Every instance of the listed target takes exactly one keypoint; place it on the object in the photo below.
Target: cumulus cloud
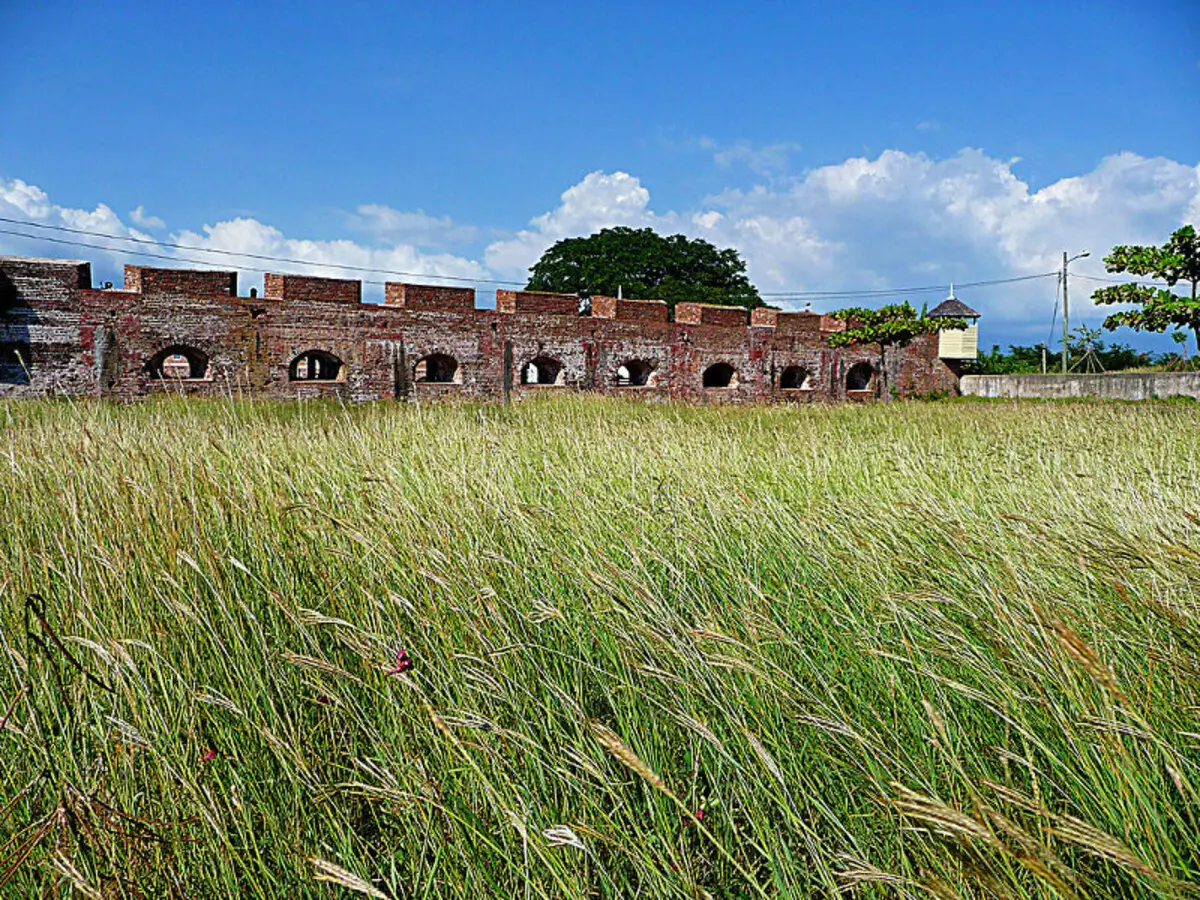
(900, 219)
(29, 203)
(325, 258)
(904, 218)
(894, 220)
(416, 227)
(600, 200)
(108, 252)
(140, 217)
(767, 161)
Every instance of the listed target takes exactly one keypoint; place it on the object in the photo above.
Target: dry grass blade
(765, 757)
(73, 875)
(1101, 844)
(4, 719)
(943, 819)
(324, 870)
(1087, 658)
(624, 754)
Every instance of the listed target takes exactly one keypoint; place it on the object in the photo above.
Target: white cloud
(416, 228)
(599, 201)
(767, 161)
(140, 217)
(901, 219)
(28, 203)
(325, 258)
(897, 219)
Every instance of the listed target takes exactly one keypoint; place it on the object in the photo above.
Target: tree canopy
(888, 326)
(1178, 260)
(644, 265)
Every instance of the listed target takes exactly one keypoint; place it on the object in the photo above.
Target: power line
(149, 255)
(1099, 278)
(234, 253)
(798, 295)
(887, 292)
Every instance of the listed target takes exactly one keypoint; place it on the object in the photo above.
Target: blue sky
(839, 146)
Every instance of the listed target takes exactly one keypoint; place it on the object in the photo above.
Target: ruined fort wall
(119, 343)
(40, 314)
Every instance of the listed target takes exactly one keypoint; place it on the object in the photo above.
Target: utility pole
(1066, 312)
(1066, 262)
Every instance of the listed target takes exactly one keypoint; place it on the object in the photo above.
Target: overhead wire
(909, 290)
(229, 253)
(264, 257)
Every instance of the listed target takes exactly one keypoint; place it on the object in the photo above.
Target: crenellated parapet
(190, 332)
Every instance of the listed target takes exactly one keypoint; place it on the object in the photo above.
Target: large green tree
(1178, 260)
(645, 265)
(887, 327)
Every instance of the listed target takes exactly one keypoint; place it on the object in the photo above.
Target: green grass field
(942, 649)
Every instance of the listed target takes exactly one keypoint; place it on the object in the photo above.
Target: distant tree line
(1112, 357)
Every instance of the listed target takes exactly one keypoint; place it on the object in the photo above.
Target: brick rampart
(537, 302)
(429, 297)
(708, 314)
(629, 310)
(185, 282)
(306, 288)
(189, 332)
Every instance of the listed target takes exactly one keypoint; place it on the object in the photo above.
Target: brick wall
(306, 288)
(537, 302)
(629, 310)
(113, 343)
(429, 297)
(147, 280)
(707, 314)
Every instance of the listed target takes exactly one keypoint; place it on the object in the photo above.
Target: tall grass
(945, 649)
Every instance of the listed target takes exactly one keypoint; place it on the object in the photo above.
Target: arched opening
(795, 378)
(16, 363)
(543, 370)
(860, 377)
(178, 363)
(315, 365)
(634, 373)
(437, 368)
(719, 375)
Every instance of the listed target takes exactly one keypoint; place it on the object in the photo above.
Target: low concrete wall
(1112, 386)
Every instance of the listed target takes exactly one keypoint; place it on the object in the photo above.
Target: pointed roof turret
(952, 308)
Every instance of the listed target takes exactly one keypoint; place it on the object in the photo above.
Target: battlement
(40, 278)
(622, 310)
(185, 282)
(308, 288)
(314, 337)
(429, 298)
(801, 322)
(710, 314)
(537, 302)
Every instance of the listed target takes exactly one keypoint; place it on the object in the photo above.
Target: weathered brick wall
(40, 311)
(623, 310)
(189, 332)
(707, 314)
(537, 302)
(148, 280)
(429, 297)
(308, 289)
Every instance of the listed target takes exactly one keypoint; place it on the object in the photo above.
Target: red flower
(403, 663)
(209, 755)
